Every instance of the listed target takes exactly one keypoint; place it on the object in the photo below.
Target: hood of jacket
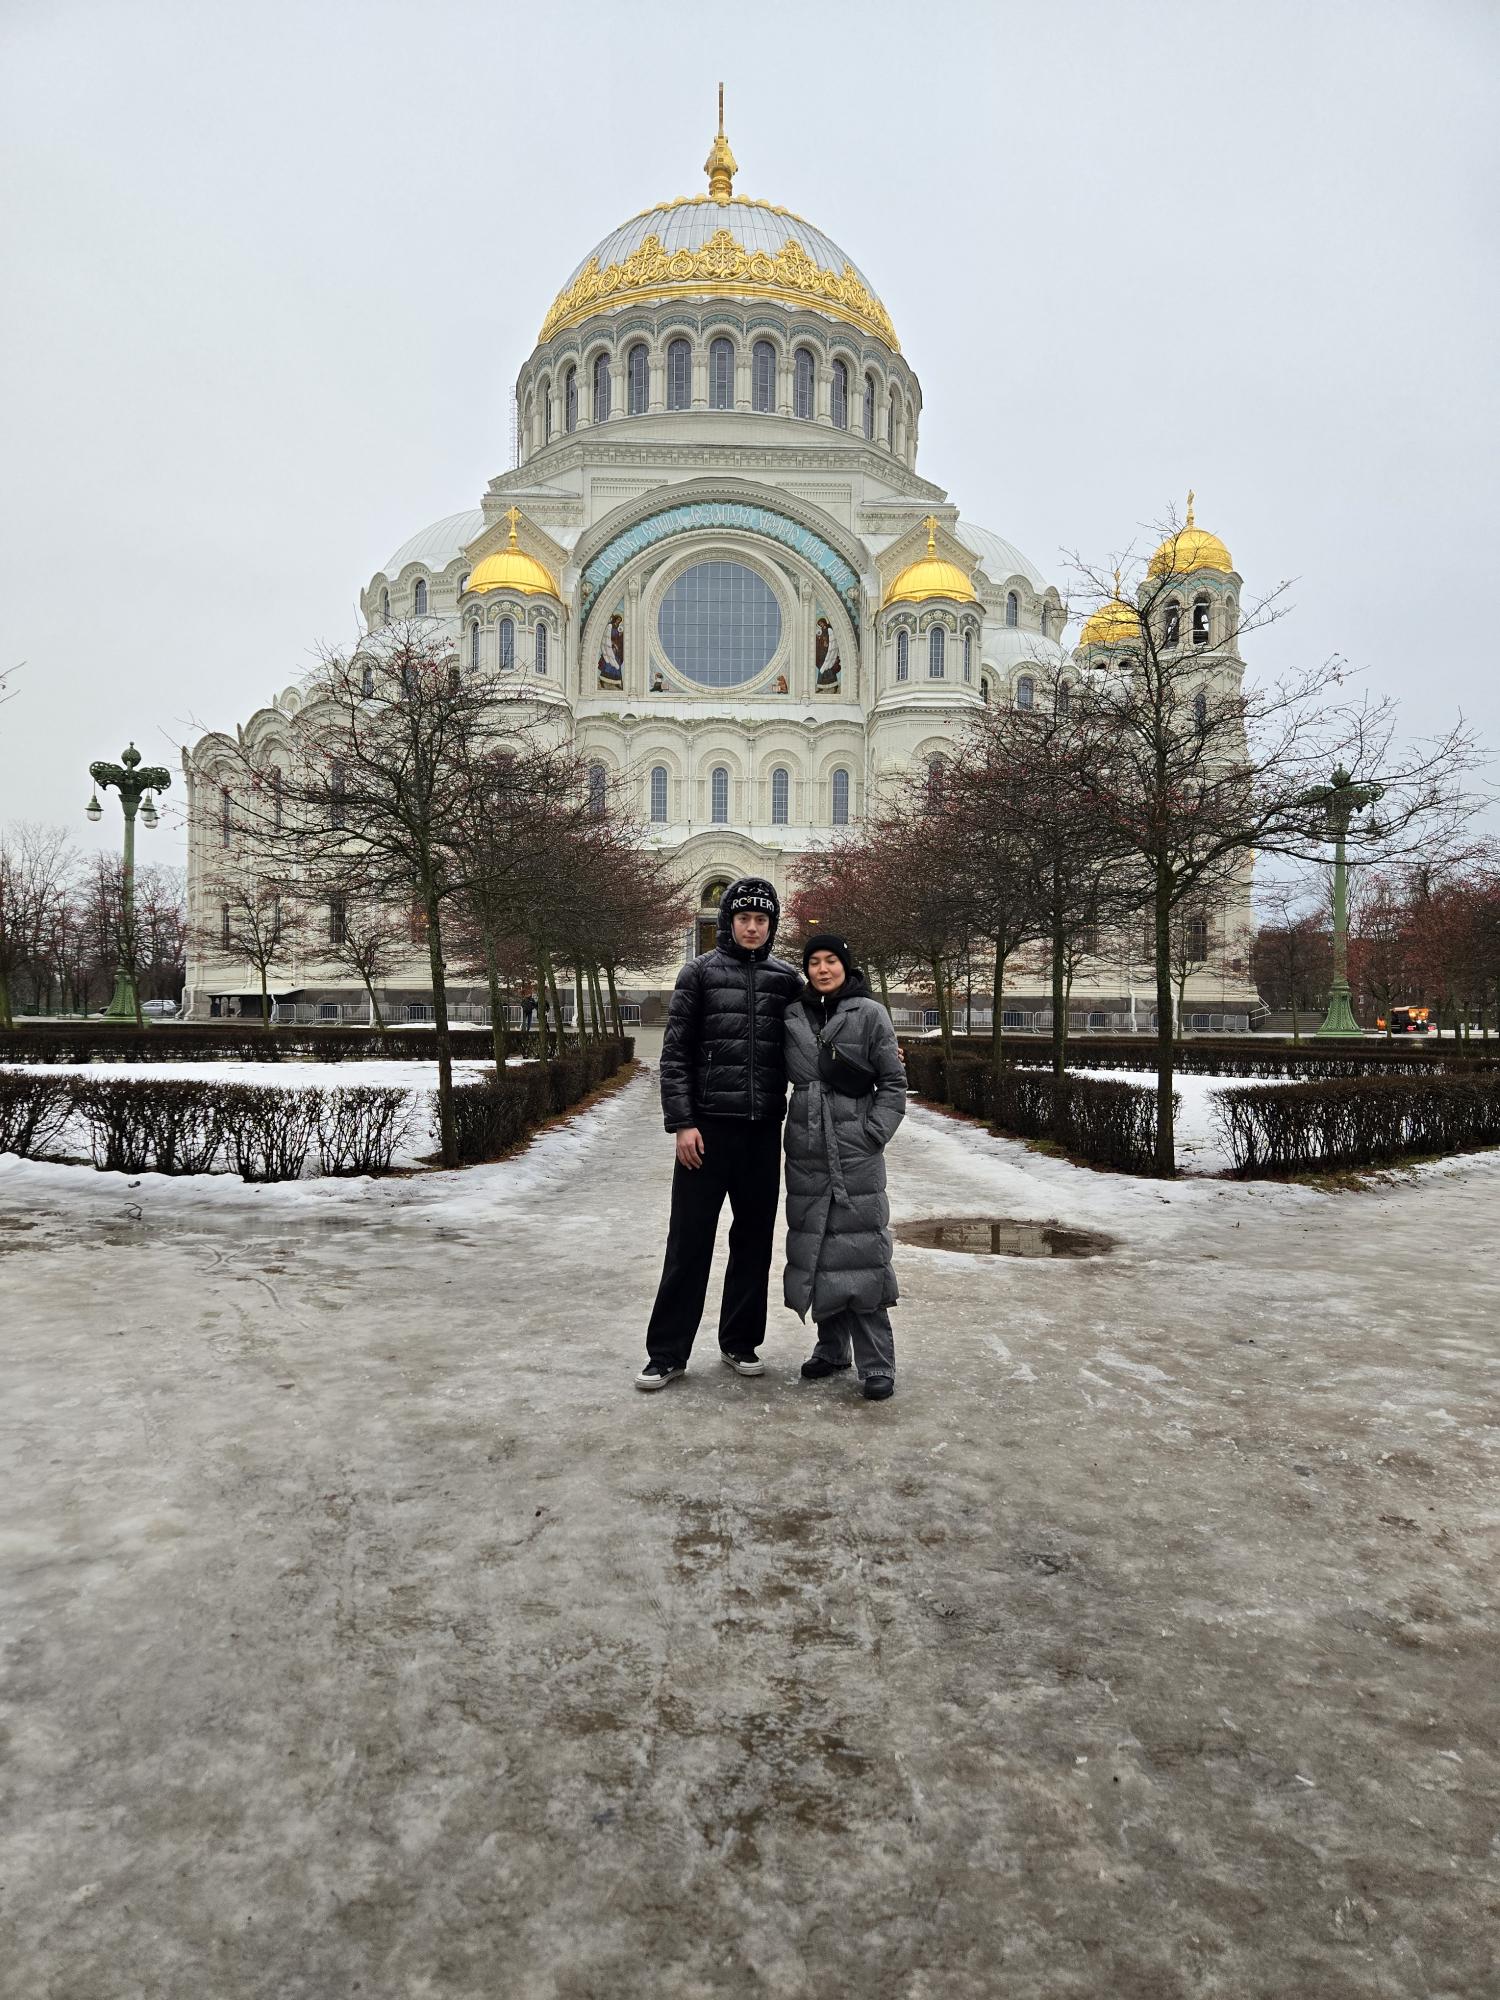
(726, 921)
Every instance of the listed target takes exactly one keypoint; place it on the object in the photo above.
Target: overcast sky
(270, 272)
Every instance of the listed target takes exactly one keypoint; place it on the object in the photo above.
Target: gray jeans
(867, 1336)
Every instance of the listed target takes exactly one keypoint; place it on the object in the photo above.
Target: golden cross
(1190, 507)
(513, 515)
(930, 524)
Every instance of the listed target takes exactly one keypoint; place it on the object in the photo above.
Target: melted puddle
(996, 1236)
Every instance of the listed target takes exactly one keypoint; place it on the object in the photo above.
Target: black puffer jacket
(723, 1055)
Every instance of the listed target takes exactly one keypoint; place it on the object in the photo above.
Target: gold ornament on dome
(932, 576)
(512, 569)
(1115, 623)
(725, 267)
(1192, 548)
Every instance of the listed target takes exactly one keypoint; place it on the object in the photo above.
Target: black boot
(878, 1387)
(816, 1368)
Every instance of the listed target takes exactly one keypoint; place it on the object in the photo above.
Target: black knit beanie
(828, 941)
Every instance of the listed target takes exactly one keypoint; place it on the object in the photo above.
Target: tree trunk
(498, 1039)
(997, 1019)
(7, 1019)
(447, 1138)
(945, 1018)
(265, 1002)
(596, 1001)
(885, 991)
(375, 1014)
(578, 1009)
(614, 1004)
(1166, 1154)
(1059, 1006)
(559, 1026)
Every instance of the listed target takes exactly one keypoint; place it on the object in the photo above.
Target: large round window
(719, 624)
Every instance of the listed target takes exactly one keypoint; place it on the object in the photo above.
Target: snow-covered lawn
(418, 1079)
(1200, 1150)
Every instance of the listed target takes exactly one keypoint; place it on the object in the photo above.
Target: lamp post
(1339, 800)
(135, 786)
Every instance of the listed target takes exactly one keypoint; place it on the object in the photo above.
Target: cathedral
(716, 565)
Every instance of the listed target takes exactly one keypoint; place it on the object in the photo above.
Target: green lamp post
(1339, 800)
(135, 786)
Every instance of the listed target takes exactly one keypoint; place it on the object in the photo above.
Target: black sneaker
(742, 1364)
(878, 1387)
(816, 1368)
(657, 1374)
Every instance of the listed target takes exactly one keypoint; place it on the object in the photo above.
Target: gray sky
(270, 272)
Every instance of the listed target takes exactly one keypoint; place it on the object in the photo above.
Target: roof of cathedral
(435, 547)
(511, 568)
(1191, 548)
(717, 245)
(1001, 559)
(930, 576)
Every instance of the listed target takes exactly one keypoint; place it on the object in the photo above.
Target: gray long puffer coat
(838, 1240)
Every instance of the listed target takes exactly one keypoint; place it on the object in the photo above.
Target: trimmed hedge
(1245, 1056)
(1288, 1128)
(492, 1117)
(33, 1110)
(224, 1041)
(1107, 1123)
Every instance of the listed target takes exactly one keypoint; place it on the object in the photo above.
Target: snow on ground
(1200, 1148)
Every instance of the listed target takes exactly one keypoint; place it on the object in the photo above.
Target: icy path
(364, 1626)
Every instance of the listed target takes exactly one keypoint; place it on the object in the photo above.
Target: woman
(838, 1245)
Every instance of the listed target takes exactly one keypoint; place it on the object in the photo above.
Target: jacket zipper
(750, 976)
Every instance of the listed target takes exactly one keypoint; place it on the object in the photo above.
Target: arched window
(601, 388)
(903, 655)
(1200, 711)
(838, 399)
(419, 597)
(638, 371)
(781, 797)
(507, 644)
(597, 787)
(721, 374)
(841, 798)
(1200, 621)
(763, 377)
(1171, 629)
(474, 648)
(802, 383)
(367, 680)
(890, 423)
(659, 794)
(226, 815)
(679, 375)
(1012, 608)
(718, 792)
(528, 429)
(224, 925)
(338, 917)
(870, 408)
(570, 400)
(1064, 698)
(1025, 692)
(937, 642)
(968, 656)
(984, 689)
(937, 779)
(385, 607)
(547, 410)
(541, 648)
(276, 798)
(1197, 939)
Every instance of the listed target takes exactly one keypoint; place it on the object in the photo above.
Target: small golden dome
(1115, 623)
(932, 576)
(511, 568)
(1192, 548)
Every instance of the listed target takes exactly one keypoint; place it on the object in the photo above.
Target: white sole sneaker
(741, 1364)
(652, 1381)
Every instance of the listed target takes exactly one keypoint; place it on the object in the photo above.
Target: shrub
(33, 1110)
(1246, 1055)
(138, 1125)
(270, 1131)
(360, 1127)
(1277, 1129)
(1111, 1124)
(492, 1117)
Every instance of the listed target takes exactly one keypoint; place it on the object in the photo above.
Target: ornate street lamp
(1339, 800)
(135, 787)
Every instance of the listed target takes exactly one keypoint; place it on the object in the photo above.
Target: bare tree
(256, 919)
(36, 864)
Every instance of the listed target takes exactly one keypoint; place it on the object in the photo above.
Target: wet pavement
(364, 1632)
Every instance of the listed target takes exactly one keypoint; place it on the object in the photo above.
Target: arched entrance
(706, 928)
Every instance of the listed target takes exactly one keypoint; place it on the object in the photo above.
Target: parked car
(158, 1006)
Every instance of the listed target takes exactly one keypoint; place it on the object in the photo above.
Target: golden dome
(720, 245)
(511, 568)
(931, 576)
(1115, 623)
(1191, 548)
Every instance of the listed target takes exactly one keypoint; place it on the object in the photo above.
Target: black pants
(741, 1158)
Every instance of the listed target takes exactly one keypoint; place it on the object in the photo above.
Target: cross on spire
(513, 514)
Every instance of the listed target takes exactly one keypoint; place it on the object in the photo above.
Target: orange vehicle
(1408, 1021)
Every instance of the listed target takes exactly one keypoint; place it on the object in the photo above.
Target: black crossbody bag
(850, 1075)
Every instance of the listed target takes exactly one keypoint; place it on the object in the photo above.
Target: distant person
(848, 1097)
(723, 1095)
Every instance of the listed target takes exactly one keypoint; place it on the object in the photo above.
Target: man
(723, 1094)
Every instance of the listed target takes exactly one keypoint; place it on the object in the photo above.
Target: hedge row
(138, 1125)
(492, 1117)
(221, 1041)
(1110, 1124)
(1250, 1057)
(1287, 1128)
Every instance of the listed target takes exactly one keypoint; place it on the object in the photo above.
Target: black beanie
(828, 941)
(751, 894)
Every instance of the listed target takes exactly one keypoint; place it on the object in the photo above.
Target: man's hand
(690, 1147)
